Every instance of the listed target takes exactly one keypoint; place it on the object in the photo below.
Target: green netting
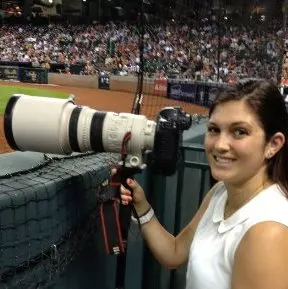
(47, 213)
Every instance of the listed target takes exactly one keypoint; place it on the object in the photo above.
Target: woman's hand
(136, 195)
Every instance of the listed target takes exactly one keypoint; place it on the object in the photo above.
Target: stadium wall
(73, 80)
(129, 84)
(201, 93)
(117, 83)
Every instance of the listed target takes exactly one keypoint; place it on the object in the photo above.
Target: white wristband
(145, 218)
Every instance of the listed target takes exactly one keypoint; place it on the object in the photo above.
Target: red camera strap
(115, 218)
(111, 227)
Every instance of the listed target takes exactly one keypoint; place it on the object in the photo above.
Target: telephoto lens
(59, 126)
(51, 125)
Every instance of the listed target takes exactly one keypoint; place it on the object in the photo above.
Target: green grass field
(6, 91)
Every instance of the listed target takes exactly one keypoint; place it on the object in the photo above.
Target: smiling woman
(234, 135)
(246, 212)
(255, 114)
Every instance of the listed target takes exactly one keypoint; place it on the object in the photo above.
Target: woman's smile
(224, 161)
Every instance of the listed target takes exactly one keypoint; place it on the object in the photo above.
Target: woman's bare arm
(261, 258)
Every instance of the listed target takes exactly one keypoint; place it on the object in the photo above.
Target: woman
(239, 237)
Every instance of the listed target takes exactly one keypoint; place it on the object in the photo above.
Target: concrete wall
(117, 83)
(73, 80)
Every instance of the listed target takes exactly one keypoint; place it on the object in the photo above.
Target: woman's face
(235, 143)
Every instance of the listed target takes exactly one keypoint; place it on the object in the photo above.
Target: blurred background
(207, 40)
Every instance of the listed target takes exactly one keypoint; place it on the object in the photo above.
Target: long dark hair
(265, 99)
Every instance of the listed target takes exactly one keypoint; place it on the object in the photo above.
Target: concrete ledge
(129, 84)
(88, 81)
(117, 83)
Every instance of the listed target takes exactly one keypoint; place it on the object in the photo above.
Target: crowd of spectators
(176, 50)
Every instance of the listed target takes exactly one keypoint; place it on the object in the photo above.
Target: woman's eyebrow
(236, 123)
(239, 123)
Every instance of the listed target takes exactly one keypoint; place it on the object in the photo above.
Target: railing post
(177, 225)
(151, 268)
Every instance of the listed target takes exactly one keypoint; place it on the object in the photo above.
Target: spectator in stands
(183, 51)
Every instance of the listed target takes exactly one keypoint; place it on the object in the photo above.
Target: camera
(59, 126)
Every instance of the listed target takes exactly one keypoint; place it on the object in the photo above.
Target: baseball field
(104, 100)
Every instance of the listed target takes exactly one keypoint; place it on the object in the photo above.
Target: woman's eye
(240, 132)
(213, 130)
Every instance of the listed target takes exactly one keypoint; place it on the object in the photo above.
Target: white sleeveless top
(215, 241)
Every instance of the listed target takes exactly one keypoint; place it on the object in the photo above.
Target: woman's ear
(274, 145)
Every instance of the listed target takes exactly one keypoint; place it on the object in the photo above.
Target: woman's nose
(222, 142)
